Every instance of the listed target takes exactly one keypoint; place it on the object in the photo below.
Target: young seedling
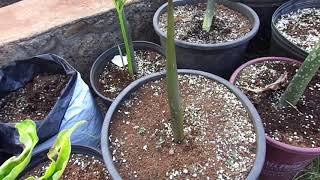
(210, 15)
(172, 80)
(15, 165)
(126, 36)
(59, 154)
(302, 78)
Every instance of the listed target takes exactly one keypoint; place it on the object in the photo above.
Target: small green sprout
(142, 131)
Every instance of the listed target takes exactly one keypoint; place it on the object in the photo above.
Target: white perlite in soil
(229, 25)
(257, 76)
(146, 65)
(301, 27)
(232, 132)
(84, 162)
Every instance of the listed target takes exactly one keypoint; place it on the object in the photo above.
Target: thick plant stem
(209, 15)
(302, 78)
(172, 80)
(126, 38)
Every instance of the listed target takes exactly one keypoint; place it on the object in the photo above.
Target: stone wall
(81, 41)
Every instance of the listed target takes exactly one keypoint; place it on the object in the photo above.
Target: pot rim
(261, 141)
(136, 44)
(270, 141)
(236, 5)
(41, 156)
(263, 2)
(275, 17)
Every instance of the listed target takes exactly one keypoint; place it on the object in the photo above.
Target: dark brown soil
(219, 135)
(301, 27)
(229, 25)
(80, 167)
(34, 101)
(298, 126)
(114, 79)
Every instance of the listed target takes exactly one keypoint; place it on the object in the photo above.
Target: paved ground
(77, 30)
(28, 17)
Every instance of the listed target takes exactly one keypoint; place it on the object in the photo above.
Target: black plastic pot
(63, 115)
(261, 141)
(220, 59)
(40, 157)
(280, 46)
(105, 57)
(265, 10)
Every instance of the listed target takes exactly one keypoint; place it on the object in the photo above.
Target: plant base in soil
(296, 125)
(229, 25)
(219, 135)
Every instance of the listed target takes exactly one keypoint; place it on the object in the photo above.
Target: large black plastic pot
(280, 46)
(260, 136)
(265, 10)
(220, 59)
(100, 63)
(41, 157)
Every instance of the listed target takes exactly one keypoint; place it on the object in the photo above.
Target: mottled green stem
(132, 68)
(209, 15)
(302, 78)
(172, 80)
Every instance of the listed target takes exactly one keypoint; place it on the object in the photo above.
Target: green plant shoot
(302, 78)
(132, 68)
(310, 173)
(29, 138)
(210, 15)
(59, 154)
(172, 80)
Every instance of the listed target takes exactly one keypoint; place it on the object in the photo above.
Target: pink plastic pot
(283, 161)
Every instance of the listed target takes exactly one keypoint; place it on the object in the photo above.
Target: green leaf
(59, 154)
(15, 165)
(172, 80)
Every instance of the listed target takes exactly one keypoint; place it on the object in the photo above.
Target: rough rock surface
(82, 40)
